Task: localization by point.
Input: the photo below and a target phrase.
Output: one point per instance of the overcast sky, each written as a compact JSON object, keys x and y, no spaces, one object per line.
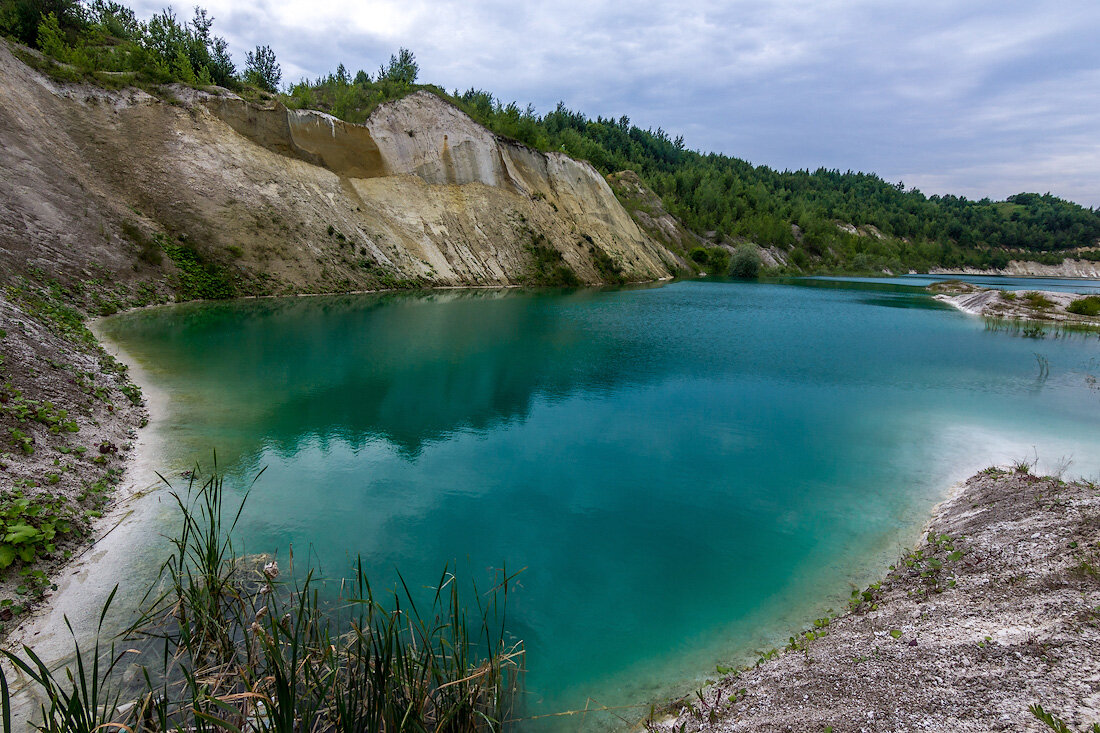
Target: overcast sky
{"x":978,"y":98}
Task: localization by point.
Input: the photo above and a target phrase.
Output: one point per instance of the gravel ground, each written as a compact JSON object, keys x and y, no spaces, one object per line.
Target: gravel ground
{"x":997,"y":610}
{"x":1034,"y":305}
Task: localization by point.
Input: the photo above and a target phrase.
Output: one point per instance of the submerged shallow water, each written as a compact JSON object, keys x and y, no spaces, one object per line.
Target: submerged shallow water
{"x":688,"y":472}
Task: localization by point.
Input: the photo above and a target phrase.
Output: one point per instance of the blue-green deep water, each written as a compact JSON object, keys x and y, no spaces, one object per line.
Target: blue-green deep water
{"x":687,"y":472}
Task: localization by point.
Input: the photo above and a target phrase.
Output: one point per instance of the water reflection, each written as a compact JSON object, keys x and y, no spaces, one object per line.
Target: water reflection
{"x":684,"y":470}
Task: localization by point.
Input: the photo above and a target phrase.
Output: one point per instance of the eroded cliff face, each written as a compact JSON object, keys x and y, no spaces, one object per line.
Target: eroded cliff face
{"x":1016,"y":268}
{"x":290,"y":200}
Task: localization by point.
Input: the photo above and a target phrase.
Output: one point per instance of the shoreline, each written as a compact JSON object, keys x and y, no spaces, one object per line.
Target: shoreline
{"x":993,"y":611}
{"x":84,"y":580}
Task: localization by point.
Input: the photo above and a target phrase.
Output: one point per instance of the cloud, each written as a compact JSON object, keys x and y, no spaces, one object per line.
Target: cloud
{"x":982,"y":98}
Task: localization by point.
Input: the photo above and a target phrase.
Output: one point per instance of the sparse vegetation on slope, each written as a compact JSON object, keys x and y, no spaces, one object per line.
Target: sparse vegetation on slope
{"x":67,"y":413}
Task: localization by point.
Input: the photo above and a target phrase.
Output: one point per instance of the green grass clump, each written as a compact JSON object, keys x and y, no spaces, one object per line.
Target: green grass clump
{"x":237,"y":649}
{"x":1087,"y":306}
{"x":1038,"y":301}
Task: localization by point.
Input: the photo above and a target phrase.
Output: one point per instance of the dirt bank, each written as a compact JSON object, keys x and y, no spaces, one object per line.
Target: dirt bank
{"x":997,"y":610}
{"x":68,"y":418}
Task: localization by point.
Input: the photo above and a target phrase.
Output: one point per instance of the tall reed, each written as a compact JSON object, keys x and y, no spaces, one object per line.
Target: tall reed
{"x":235,"y":648}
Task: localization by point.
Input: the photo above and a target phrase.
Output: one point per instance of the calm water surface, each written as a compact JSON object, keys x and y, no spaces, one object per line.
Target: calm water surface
{"x":687,"y":472}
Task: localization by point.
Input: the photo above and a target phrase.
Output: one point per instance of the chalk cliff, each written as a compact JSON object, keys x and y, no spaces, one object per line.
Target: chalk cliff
{"x":292,"y":200}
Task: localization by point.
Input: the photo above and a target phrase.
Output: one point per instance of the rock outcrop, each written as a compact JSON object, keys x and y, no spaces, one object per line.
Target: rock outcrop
{"x":292,"y":200}
{"x":1069,"y":267}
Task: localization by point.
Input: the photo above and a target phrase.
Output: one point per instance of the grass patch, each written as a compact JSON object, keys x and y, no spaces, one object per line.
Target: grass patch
{"x":48,"y":306}
{"x":198,"y":276}
{"x":609,"y":269}
{"x":1038,"y":301}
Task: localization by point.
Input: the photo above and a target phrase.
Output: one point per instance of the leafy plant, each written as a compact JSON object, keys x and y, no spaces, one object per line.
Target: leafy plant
{"x":1057,"y":724}
{"x":1087,"y":306}
{"x":29,"y":526}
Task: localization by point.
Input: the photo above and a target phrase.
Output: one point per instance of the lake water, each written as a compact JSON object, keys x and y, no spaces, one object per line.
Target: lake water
{"x":688,"y":472}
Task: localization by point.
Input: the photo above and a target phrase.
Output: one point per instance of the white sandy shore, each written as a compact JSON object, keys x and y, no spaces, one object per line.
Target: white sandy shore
{"x":113,"y":556}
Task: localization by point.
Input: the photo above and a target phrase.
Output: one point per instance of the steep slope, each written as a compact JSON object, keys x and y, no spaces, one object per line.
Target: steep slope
{"x":99,"y":185}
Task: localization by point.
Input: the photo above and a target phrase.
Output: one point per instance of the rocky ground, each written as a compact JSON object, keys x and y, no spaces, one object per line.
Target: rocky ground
{"x":997,"y":610}
{"x":67,"y":415}
{"x":1036,"y":305}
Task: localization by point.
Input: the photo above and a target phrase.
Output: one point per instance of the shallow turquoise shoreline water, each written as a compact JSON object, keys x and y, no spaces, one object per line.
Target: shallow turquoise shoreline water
{"x":686,"y":472}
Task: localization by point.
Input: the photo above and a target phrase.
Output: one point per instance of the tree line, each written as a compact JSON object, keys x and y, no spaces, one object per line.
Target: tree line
{"x":105,"y":42}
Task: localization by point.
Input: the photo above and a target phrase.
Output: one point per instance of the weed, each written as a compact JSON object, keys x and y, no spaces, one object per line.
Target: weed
{"x":1057,"y":724}
{"x":29,"y":526}
{"x":240,"y":650}
{"x":1022,"y":466}
{"x":1038,"y":301}
{"x":765,"y":656}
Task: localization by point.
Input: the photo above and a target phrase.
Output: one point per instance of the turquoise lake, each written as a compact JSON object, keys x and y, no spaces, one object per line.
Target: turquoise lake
{"x":688,"y":472}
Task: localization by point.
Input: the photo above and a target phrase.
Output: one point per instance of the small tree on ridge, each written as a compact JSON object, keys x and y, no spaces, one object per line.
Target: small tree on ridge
{"x":262,"y":70}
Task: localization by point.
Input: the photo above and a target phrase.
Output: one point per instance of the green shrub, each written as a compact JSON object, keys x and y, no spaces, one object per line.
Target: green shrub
{"x":698,"y":255}
{"x":799,"y":258}
{"x":1087,"y":306}
{"x":746,"y":262}
{"x":718,"y":260}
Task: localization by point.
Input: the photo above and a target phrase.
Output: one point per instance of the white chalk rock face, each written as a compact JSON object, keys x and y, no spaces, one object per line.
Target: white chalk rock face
{"x":430,"y":143}
{"x":296,"y":200}
{"x":424,"y":136}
